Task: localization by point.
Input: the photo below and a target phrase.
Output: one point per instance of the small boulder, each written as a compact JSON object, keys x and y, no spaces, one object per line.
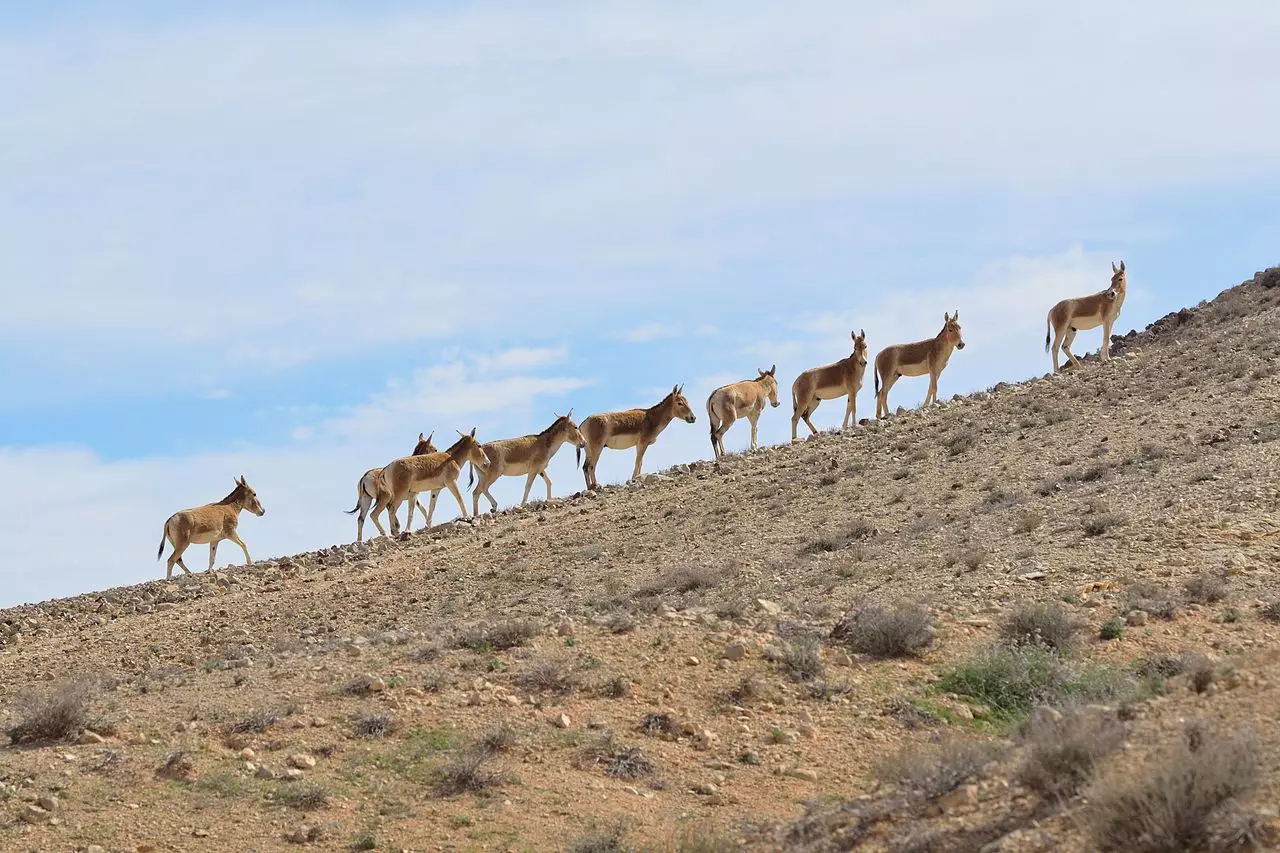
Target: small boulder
{"x":735,"y":651}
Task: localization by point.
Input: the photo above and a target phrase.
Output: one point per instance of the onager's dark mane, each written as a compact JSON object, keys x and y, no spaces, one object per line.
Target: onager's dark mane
{"x":236,"y":495}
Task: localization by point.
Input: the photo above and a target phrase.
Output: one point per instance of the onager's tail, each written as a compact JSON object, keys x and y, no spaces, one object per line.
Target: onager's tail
{"x":354,"y":510}
{"x":1048,"y":331}
{"x":877,"y":379}
{"x":160,"y":553}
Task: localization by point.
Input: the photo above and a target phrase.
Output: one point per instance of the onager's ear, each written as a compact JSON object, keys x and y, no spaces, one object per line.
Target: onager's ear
{"x":241,"y":481}
{"x":473,"y":432}
{"x":1114,"y":268}
{"x":420,"y":438}
{"x":862,"y":334}
{"x":946,"y":318}
{"x":1121,"y":266}
{"x":433,"y":432}
{"x":955,"y":318}
{"x":675,"y":389}
{"x":569,"y":413}
{"x":773,"y":370}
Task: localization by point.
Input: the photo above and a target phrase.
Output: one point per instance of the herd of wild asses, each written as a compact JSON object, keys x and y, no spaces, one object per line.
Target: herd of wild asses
{"x":431,"y":469}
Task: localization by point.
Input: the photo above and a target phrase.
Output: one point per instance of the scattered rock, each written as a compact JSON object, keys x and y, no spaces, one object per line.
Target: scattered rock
{"x":801,"y":773}
{"x":561,"y":721}
{"x":89,"y":738}
{"x":302,"y":761}
{"x":691,"y":661}
{"x":1136,"y":618}
{"x":962,"y":797}
{"x":248,"y":754}
{"x":48,"y":802}
{"x":735,"y":651}
{"x":566,"y":628}
{"x":293,"y":774}
{"x":769,"y":607}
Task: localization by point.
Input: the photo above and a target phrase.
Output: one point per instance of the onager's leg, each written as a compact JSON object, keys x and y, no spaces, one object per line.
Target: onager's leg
{"x":421,"y":509}
{"x":213,"y":552}
{"x":176,"y":558}
{"x":1057,"y":346}
{"x":548,"y":481}
{"x":1106,"y":340}
{"x":754,"y":418}
{"x":882,"y":401}
{"x":413,"y":501}
{"x":482,"y":488}
{"x":850,"y":413}
{"x":457,"y":495}
{"x":729,"y":418}
{"x":431,"y":509}
{"x":809,"y":409}
{"x":641,"y":447}
{"x":932,"y":396}
{"x":589,"y":466}
{"x":235,"y":537}
{"x":1066,"y":347}
{"x":715,"y":436}
{"x":528,"y":484}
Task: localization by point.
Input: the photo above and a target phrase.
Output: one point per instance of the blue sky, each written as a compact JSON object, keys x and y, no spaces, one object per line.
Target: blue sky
{"x":281,"y":241}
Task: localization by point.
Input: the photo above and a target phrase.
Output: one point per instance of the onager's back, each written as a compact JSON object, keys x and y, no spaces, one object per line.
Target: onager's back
{"x":831,"y":382}
{"x":740,"y":399}
{"x":528,"y":455}
{"x":408,"y":476}
{"x":1086,"y":312}
{"x":209,"y":524}
{"x":371,"y":485}
{"x":916,"y":359}
{"x":638,"y":428}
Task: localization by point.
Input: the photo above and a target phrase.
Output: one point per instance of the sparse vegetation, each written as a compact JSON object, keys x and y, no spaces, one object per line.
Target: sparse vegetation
{"x":53,"y":714}
{"x":803,"y":658}
{"x":901,"y":629}
{"x":499,"y":737}
{"x":609,"y":839}
{"x":1096,"y":525}
{"x":1150,"y":597}
{"x":1204,"y":589}
{"x":1169,"y":806}
{"x":466,"y":772}
{"x":303,"y":797}
{"x":547,"y":674}
{"x":507,"y":634}
{"x":1270,"y":611}
{"x":936,"y":769}
{"x":1062,"y":752}
{"x":1027,"y":522}
{"x":1041,"y":623}
{"x":1112,"y":629}
{"x":1012,"y":680}
{"x":1199,"y":671}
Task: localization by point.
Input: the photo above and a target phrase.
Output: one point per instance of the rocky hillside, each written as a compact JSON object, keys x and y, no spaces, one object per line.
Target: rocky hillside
{"x":1023,"y":620}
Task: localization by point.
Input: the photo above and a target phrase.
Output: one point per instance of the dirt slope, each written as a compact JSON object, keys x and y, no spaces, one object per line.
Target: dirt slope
{"x":664,"y":654}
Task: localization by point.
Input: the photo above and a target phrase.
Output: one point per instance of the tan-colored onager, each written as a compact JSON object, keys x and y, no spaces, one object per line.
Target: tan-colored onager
{"x":1086,"y":312}
{"x":529,"y":455}
{"x":917,"y":359}
{"x":743,"y":399}
{"x":638,"y":428}
{"x":409,"y":476}
{"x":831,"y":382}
{"x":371,"y":485}
{"x":209,"y":525}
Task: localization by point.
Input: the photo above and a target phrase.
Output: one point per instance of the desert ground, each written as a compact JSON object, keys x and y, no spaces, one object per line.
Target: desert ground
{"x":1041,"y":617}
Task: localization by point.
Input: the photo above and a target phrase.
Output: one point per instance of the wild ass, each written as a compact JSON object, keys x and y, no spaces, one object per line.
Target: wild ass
{"x":638,"y":428}
{"x":529,"y":454}
{"x":741,"y":399}
{"x":917,"y":359}
{"x":209,"y":525}
{"x":1086,"y":312}
{"x":371,"y":485}
{"x":409,"y":476}
{"x":831,"y":382}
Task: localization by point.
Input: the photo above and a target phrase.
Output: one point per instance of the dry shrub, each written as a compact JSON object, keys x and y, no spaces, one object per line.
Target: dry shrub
{"x":1046,"y":624}
{"x":1204,"y":589}
{"x":902,"y":629}
{"x":938,"y":768}
{"x":1171,"y":803}
{"x":1062,"y":752}
{"x":1199,"y":671}
{"x":306,"y":798}
{"x":53,"y":714}
{"x":507,"y":634}
{"x":179,"y":767}
{"x":500,"y":737}
{"x":374,"y":724}
{"x":546,"y":674}
{"x":466,"y":772}
{"x":803,"y":657}
{"x":609,"y":839}
{"x":683,"y":579}
{"x":1271,"y":610}
{"x":1150,"y":597}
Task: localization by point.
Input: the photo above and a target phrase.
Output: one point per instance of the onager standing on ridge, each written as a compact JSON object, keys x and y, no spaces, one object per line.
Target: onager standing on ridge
{"x":831,"y":382}
{"x":371,"y":485}
{"x":530,"y":454}
{"x":741,"y":399}
{"x":917,"y":359}
{"x":1086,"y":312}
{"x":636,"y":428}
{"x":409,"y":476}
{"x":209,"y":524}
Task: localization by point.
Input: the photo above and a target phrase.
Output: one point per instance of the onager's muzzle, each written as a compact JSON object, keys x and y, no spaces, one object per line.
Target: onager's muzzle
{"x":693,"y":419}
{"x":960,"y":344}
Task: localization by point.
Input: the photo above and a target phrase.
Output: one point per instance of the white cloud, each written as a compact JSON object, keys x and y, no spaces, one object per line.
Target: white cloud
{"x":650,"y":332}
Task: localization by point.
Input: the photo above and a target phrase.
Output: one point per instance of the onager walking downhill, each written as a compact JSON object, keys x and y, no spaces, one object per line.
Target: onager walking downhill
{"x":530,"y":454}
{"x":409,"y":476}
{"x":638,"y":428}
{"x":371,"y":485}
{"x":209,"y":525}
{"x":917,"y":359}
{"x":831,"y":382}
{"x":1086,"y":312}
{"x":741,"y":399}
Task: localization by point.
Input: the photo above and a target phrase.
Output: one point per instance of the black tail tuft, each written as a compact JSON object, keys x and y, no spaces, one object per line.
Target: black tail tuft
{"x":354,"y":510}
{"x":161,"y":551}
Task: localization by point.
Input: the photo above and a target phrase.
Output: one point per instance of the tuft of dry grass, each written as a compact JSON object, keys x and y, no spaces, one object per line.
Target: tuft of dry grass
{"x":179,"y":766}
{"x":1271,"y":610}
{"x":52,"y":714}
{"x":507,"y":634}
{"x":1199,"y":670}
{"x":1063,"y":751}
{"x":305,"y":798}
{"x":803,"y":657}
{"x":466,"y":772}
{"x":935,"y":769}
{"x":1096,"y":525}
{"x":500,"y":737}
{"x":1171,"y":803}
{"x":374,"y":724}
{"x":1150,"y":597}
{"x":547,"y":674}
{"x":902,"y":629}
{"x":1046,"y":624}
{"x":609,"y":839}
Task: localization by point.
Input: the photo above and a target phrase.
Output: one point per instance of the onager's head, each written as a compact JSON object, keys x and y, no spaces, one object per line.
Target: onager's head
{"x":951,"y":329}
{"x":568,"y":430}
{"x":245,"y":497}
{"x":1117,"y":277}
{"x":471,"y":450}
{"x":860,"y":346}
{"x":680,"y":405}
{"x":768,"y":379}
{"x":424,"y":445}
